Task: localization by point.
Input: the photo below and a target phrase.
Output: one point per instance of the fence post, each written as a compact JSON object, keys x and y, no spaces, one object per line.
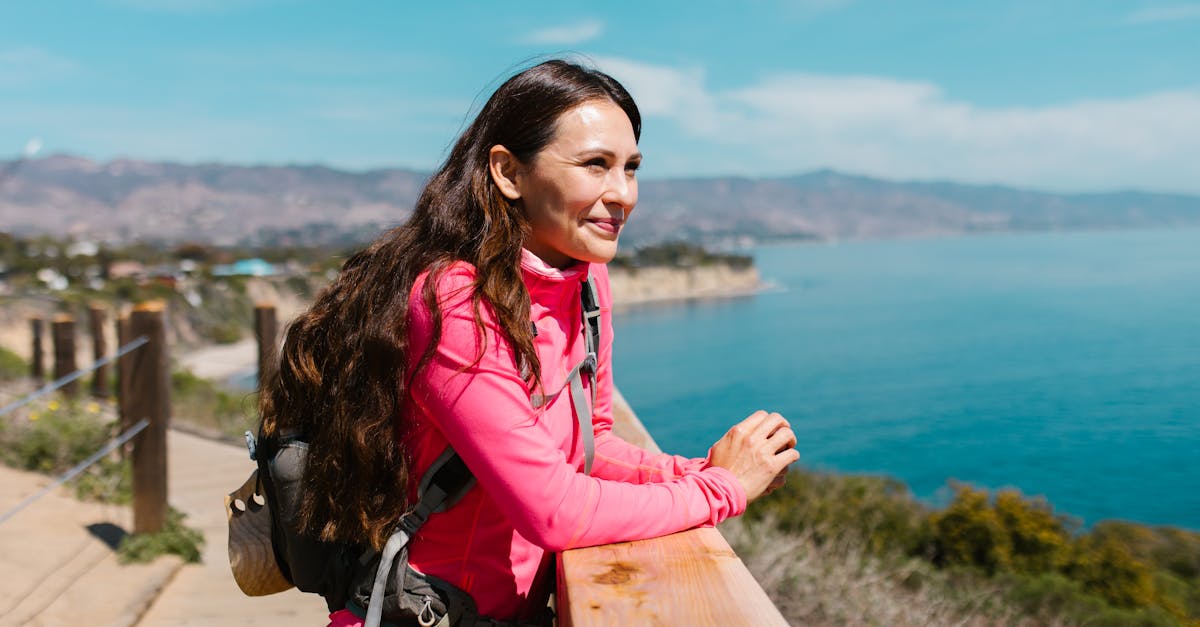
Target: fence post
{"x":266,"y":330}
{"x":124,"y":369}
{"x":37,"y":363}
{"x":100,"y":376}
{"x":150,"y":382}
{"x":62,"y":333}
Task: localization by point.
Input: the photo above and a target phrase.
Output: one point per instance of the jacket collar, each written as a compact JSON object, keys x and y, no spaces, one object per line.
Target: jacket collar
{"x":533,"y":265}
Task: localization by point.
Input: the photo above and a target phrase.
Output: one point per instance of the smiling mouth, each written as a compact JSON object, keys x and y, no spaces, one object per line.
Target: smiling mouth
{"x":608,"y":225}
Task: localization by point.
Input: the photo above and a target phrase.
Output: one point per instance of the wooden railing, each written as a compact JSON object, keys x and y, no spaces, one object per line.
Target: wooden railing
{"x":688,"y":578}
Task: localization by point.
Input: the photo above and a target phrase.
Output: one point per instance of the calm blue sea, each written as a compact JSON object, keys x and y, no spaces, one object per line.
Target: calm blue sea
{"x":1063,"y":364}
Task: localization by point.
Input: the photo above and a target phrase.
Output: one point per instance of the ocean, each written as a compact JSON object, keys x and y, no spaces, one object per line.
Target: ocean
{"x":1065,"y":365}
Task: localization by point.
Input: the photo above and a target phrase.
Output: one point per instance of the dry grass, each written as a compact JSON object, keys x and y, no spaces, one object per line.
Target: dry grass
{"x":837,"y":582}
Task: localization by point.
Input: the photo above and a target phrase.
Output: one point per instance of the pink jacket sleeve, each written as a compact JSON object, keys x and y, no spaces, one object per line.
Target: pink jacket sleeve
{"x":482,"y":407}
{"x":615,"y":458}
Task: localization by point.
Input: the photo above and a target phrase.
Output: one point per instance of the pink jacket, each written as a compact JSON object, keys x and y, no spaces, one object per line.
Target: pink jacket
{"x":533,"y":497}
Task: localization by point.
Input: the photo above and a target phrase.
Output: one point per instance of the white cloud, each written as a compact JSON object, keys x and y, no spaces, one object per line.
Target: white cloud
{"x":567,"y":35}
{"x":1165,"y":13}
{"x":792,"y":122}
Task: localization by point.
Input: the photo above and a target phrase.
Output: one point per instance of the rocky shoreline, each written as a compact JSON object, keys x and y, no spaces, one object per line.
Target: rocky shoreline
{"x":660,"y":284}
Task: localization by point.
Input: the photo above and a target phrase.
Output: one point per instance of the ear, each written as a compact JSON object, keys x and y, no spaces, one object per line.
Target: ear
{"x":506,"y":170}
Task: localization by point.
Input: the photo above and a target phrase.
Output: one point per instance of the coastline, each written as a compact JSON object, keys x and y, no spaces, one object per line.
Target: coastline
{"x":661,"y":284}
{"x":729,"y":293}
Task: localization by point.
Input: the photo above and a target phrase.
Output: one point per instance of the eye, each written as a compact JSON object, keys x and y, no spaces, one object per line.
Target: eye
{"x":596,"y":163}
{"x":631,"y":168}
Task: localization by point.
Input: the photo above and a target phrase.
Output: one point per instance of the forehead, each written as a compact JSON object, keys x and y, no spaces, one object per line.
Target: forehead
{"x":594,"y":123}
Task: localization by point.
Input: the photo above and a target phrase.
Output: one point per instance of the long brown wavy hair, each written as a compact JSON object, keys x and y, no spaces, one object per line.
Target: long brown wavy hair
{"x":346,"y":364}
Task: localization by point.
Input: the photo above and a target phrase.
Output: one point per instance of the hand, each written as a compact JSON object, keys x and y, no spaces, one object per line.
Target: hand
{"x":777,"y":482}
{"x":757,"y":451}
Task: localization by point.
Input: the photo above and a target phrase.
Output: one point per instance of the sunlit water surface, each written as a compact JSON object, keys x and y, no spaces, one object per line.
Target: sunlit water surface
{"x":1066,"y":365}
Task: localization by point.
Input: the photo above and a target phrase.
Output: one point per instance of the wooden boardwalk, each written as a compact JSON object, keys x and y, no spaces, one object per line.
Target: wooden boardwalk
{"x":202,"y":472}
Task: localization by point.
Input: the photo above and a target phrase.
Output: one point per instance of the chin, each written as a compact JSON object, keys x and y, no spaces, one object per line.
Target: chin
{"x":599,"y":254}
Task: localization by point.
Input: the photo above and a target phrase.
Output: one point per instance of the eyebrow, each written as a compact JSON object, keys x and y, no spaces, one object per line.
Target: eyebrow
{"x":637,"y":156}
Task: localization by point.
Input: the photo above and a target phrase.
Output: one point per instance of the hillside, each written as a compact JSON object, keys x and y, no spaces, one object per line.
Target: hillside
{"x":124,"y":200}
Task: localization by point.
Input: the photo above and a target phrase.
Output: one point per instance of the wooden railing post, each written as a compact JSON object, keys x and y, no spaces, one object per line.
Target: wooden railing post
{"x":150,"y":383}
{"x":266,"y":331}
{"x":100,"y":376}
{"x":37,"y":362}
{"x":62,"y":333}
{"x":124,"y":371}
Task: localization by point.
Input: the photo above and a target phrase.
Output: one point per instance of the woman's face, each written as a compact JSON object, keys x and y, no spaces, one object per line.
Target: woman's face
{"x":579,"y":190}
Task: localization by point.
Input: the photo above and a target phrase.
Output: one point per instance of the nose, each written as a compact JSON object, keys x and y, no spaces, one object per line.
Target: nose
{"x":620,"y":189}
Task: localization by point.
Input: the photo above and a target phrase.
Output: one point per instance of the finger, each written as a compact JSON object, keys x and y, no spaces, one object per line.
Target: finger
{"x":748,"y":424}
{"x":769,"y":425}
{"x":753,"y":421}
{"x":787,"y":457}
{"x":782,"y":439}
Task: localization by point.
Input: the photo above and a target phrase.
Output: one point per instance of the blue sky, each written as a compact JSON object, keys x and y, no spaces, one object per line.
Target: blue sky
{"x":1064,"y":96}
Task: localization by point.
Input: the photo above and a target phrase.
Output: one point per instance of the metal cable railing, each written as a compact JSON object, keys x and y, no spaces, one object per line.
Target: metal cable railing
{"x":64,"y":380}
{"x":78,"y":468}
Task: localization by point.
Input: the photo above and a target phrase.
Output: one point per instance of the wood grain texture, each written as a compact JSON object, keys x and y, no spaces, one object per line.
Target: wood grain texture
{"x":96,"y":315}
{"x":150,"y":397}
{"x":37,"y":363}
{"x":687,"y":578}
{"x":266,"y":332}
{"x":62,"y":334}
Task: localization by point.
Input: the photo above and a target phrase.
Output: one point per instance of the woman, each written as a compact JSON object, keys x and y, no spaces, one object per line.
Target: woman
{"x":460,"y":328}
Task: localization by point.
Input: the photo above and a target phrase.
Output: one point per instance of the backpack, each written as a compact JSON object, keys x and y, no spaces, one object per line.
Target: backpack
{"x":380,"y":585}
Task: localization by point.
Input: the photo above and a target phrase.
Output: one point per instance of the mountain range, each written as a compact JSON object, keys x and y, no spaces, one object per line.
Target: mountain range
{"x":126,"y":200}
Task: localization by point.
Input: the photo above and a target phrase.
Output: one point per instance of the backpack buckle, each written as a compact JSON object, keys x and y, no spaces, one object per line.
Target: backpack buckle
{"x":252,"y":446}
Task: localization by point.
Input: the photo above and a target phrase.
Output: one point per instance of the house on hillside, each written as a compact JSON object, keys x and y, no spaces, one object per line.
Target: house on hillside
{"x":246,"y":267}
{"x":126,"y":270}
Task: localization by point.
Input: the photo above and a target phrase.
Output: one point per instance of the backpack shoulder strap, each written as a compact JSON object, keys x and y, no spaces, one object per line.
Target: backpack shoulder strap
{"x":444,"y":484}
{"x":590,"y":309}
{"x":590,"y":301}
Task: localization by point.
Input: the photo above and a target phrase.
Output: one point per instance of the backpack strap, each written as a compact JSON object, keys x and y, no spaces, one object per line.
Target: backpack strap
{"x":590,"y":309}
{"x":444,"y":484}
{"x":590,"y":314}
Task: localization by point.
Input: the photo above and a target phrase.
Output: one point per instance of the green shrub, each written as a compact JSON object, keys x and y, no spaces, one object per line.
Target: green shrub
{"x":300,"y":286}
{"x":12,"y":367}
{"x":109,"y":481}
{"x":56,"y":437}
{"x":969,"y":532}
{"x":205,"y":404}
{"x":1053,"y":595}
{"x":679,"y":255}
{"x":228,"y":332}
{"x":880,"y":511}
{"x":1118,"y":573}
{"x":1039,"y":539}
{"x":174,"y":539}
{"x":1106,"y":566}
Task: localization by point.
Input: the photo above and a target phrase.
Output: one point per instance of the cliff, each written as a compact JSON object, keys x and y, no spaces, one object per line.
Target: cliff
{"x":633,"y":286}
